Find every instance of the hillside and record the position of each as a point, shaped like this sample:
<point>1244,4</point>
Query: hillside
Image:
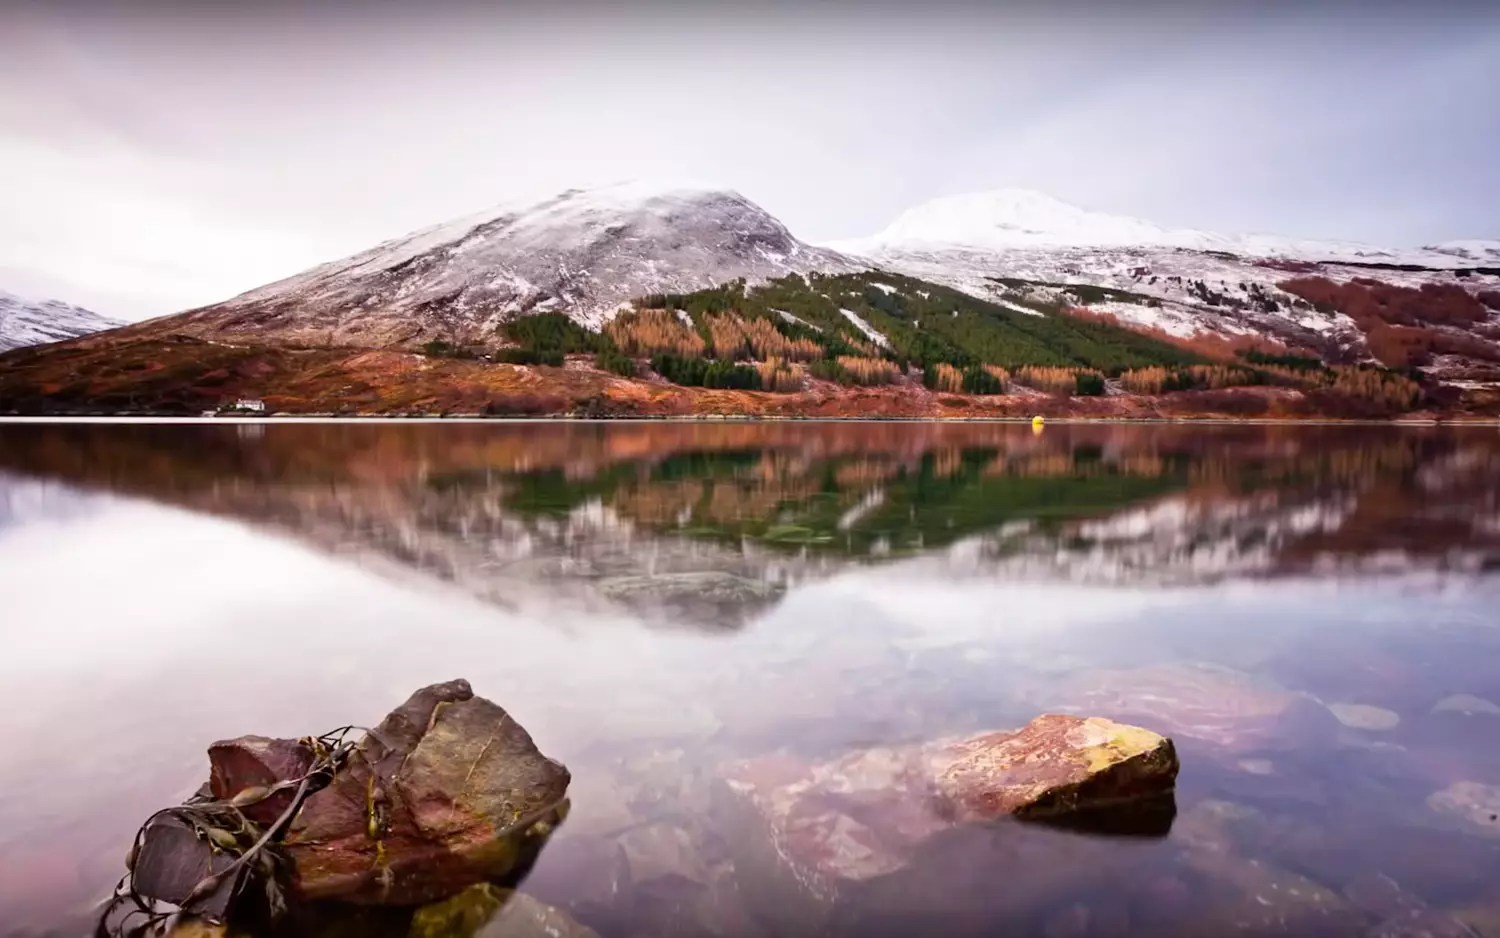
<point>584,252</point>
<point>863,344</point>
<point>643,299</point>
<point>1013,246</point>
<point>37,322</point>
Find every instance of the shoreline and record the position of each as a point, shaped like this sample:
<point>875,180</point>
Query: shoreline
<point>733,418</point>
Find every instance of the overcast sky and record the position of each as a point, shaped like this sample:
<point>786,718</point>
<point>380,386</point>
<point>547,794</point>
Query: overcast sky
<point>160,156</point>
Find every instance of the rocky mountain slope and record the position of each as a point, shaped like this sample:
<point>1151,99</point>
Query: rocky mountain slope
<point>586,252</point>
<point>36,322</point>
<point>1015,245</point>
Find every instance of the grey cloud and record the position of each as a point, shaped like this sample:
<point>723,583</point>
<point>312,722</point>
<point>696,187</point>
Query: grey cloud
<point>176,154</point>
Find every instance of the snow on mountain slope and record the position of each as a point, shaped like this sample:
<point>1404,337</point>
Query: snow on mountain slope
<point>585,252</point>
<point>1006,219</point>
<point>1017,247</point>
<point>36,322</point>
<point>1480,253</point>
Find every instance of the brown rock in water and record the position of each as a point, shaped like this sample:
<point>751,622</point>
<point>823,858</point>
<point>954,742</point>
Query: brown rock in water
<point>1055,765</point>
<point>881,829</point>
<point>446,792</point>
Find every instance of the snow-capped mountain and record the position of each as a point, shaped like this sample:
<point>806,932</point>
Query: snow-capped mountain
<point>586,252</point>
<point>35,322</point>
<point>1015,245</point>
<point>1009,219</point>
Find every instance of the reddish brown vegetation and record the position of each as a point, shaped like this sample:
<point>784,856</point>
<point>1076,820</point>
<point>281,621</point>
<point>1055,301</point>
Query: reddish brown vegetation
<point>1157,380</point>
<point>1380,388</point>
<point>1399,322</point>
<point>999,374</point>
<point>648,332</point>
<point>1062,381</point>
<point>778,376</point>
<point>947,378</point>
<point>767,342</point>
<point>869,371</point>
<point>1370,301</point>
<point>1294,267</point>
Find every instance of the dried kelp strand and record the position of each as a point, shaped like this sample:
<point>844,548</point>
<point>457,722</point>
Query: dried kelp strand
<point>252,795</point>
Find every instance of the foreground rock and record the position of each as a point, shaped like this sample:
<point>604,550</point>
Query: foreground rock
<point>1056,765</point>
<point>881,833</point>
<point>448,791</point>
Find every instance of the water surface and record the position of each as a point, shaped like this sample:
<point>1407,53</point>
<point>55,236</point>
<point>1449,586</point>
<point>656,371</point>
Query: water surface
<point>658,604</point>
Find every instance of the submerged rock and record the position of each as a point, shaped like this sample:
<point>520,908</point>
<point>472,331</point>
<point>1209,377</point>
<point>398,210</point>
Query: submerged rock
<point>885,827</point>
<point>488,911</point>
<point>1466,704</point>
<point>1238,896</point>
<point>1428,923</point>
<point>1365,717</point>
<point>446,792</point>
<point>1474,802</point>
<point>1219,707</point>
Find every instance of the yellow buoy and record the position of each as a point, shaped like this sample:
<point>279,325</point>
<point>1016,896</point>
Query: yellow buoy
<point>1036,421</point>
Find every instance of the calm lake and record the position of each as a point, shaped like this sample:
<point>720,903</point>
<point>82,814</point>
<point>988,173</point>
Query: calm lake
<point>1311,613</point>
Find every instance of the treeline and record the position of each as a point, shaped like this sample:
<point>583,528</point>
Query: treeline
<point>1083,382</point>
<point>707,373</point>
<point>976,379</point>
<point>1381,386</point>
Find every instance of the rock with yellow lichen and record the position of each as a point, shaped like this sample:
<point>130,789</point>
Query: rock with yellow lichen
<point>1056,765</point>
<point>818,845</point>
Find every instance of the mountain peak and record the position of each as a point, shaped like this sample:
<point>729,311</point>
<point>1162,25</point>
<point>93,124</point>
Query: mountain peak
<point>1007,218</point>
<point>1003,220</point>
<point>585,251</point>
<point>36,322</point>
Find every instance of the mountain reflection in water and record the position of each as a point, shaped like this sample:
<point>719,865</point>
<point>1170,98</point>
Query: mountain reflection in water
<point>1299,607</point>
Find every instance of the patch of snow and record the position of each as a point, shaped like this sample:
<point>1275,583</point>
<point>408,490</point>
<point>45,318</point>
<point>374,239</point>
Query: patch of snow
<point>869,331</point>
<point>26,322</point>
<point>684,317</point>
<point>885,288</point>
<point>1017,307</point>
<point>796,319</point>
<point>1172,321</point>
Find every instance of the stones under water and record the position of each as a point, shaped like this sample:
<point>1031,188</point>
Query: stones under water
<point>428,822</point>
